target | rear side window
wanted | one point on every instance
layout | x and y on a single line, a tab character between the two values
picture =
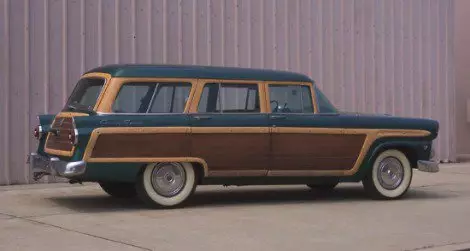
152	98
85	94
229	98
290	99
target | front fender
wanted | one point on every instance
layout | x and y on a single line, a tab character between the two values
414	148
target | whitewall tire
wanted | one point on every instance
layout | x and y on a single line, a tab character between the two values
166	184
390	176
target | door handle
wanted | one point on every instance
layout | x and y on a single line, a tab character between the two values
278	117
202	117
103	122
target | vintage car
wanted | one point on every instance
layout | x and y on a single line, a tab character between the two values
158	131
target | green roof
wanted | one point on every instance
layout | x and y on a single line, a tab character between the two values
196	71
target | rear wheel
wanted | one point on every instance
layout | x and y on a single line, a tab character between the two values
119	189
323	186
166	184
390	176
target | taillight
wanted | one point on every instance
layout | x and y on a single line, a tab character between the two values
73	137
37	133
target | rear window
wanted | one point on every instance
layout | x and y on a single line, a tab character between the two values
85	94
148	97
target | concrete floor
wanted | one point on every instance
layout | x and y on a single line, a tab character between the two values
434	216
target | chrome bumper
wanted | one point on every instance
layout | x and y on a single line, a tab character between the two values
41	165
428	166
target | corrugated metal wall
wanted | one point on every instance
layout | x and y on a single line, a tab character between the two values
367	55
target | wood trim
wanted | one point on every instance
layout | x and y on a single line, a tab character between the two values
106	77
238	173
138	130
371	136
116	83
70	114
62	152
230	129
304	173
131	130
152	160
316	109
59	152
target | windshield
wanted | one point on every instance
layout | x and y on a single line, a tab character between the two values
324	105
84	95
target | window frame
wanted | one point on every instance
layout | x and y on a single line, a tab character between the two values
203	82
117	83
308	84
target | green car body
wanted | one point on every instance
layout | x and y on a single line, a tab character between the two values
321	122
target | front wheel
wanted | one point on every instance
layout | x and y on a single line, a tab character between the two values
390	176
166	184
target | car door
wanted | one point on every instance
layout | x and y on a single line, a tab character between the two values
302	142
229	128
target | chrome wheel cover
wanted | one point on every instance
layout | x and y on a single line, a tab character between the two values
390	173
168	179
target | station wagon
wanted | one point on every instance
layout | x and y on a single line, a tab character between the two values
158	131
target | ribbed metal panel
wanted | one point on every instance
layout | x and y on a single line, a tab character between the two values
367	55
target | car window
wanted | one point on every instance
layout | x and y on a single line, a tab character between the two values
170	98
85	94
324	105
134	98
152	98
229	98
290	99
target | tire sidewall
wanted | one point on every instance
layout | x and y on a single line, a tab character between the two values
407	174
168	201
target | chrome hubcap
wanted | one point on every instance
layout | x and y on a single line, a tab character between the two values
390	173
168	179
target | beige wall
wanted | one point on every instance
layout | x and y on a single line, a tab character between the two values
374	56
462	76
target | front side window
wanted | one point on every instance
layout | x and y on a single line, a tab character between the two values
85	94
152	98
229	98
290	99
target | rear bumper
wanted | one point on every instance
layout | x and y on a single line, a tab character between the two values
41	165
428	166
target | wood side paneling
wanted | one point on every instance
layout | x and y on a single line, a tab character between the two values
238	151
292	151
142	145
60	141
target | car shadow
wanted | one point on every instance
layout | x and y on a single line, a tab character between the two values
236	197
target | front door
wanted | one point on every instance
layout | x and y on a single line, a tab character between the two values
229	130
302	143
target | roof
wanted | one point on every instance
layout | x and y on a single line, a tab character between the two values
196	71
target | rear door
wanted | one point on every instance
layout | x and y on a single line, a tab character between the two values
229	129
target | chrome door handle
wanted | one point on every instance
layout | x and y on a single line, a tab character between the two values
278	117
202	117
